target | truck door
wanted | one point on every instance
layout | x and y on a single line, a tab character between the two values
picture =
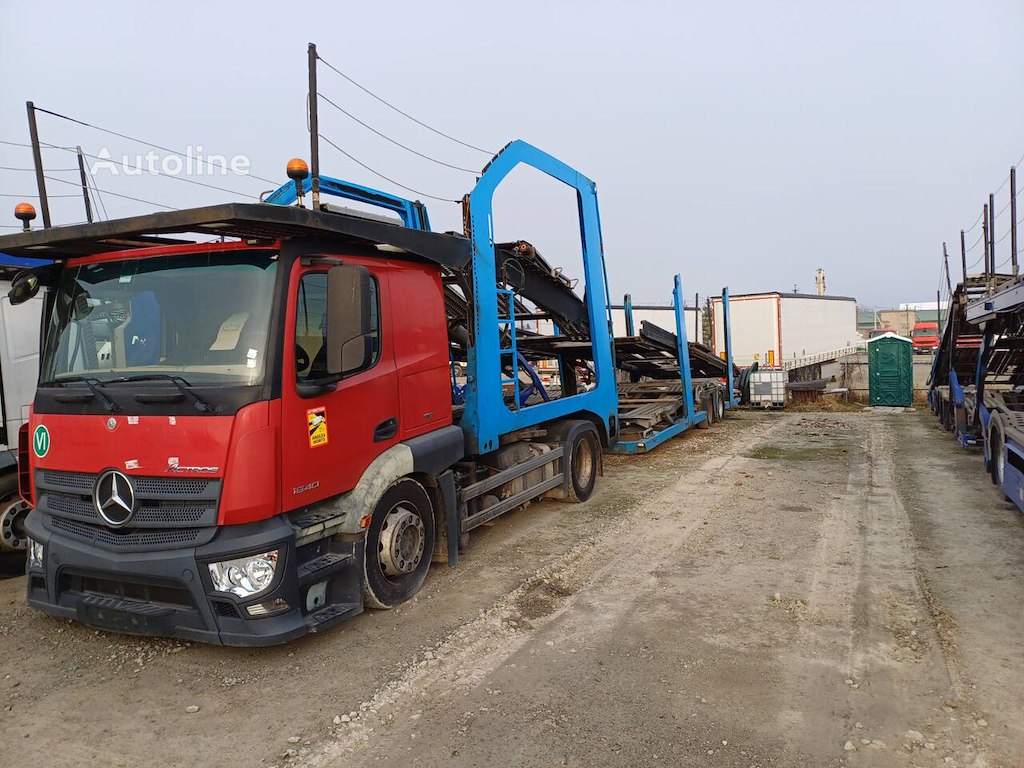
330	437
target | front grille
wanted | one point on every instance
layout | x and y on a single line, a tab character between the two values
162	502
154	487
137	540
77	482
149	515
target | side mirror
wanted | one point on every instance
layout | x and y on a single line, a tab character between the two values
24	287
349	319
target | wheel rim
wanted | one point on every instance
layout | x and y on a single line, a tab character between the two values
402	536
12	526
583	463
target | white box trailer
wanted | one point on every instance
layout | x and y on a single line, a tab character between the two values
19	366
663	317
773	328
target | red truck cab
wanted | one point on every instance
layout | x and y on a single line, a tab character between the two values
210	422
925	337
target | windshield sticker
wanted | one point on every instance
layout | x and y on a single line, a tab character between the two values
316	420
41	441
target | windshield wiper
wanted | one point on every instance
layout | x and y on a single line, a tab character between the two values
92	383
183	386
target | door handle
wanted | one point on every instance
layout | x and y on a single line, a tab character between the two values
385	430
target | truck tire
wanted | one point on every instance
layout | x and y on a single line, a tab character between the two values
583	460
997	454
706	406
719	405
399	543
13	511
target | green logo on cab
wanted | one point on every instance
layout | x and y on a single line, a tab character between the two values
41	441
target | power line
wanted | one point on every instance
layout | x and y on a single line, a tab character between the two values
130	138
977	221
386	178
32	170
34	195
115	194
393	141
401	112
168	176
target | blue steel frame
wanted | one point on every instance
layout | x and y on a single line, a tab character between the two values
732	400
691	418
987	311
412	213
486	416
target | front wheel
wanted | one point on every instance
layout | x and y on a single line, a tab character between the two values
13	511
399	543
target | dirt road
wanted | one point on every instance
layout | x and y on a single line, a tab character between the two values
785	590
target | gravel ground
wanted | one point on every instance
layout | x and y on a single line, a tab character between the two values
791	589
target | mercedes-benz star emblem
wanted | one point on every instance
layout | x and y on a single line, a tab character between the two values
114	498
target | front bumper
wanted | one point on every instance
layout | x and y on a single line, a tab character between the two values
169	593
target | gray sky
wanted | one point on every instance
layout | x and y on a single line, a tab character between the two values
741	144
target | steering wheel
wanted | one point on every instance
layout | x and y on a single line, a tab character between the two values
301	358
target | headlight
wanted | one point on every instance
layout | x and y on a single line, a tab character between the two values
35	554
245	576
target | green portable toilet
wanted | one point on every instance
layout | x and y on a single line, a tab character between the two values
890	370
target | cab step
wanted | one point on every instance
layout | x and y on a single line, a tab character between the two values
316	524
329	616
323	567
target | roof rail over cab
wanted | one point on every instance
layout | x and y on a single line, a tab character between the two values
246	221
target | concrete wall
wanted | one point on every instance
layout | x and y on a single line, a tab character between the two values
852	372
811	325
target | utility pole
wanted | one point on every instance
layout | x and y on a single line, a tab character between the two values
963	254
984	235
992	233
85	185
37	160
945	260
314	130
1013	218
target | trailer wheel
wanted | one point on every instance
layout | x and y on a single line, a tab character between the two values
13	511
708	408
719	405
997	461
399	543
584	452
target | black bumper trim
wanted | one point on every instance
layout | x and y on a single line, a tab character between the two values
71	563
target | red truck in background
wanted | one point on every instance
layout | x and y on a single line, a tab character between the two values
925	337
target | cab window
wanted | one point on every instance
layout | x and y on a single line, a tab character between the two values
311	326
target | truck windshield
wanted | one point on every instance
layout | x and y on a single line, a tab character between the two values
926	332
203	317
